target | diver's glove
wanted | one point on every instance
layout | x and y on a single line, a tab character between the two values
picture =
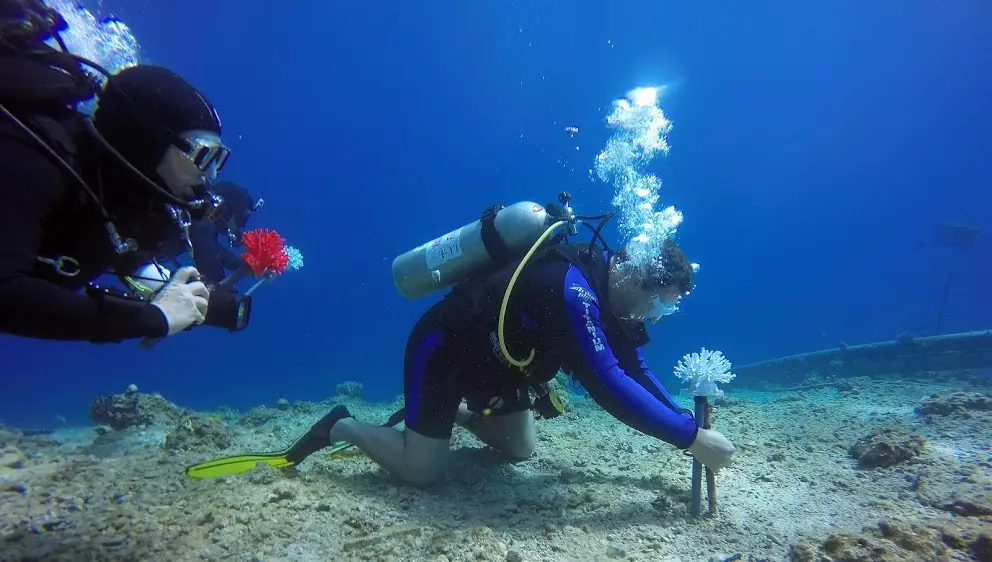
318	437
712	449
183	300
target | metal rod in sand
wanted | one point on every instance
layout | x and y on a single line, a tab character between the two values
702	414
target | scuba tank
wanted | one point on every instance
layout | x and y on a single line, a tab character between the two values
500	235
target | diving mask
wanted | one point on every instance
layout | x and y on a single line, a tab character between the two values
205	150
660	308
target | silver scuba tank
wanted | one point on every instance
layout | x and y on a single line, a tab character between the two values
501	235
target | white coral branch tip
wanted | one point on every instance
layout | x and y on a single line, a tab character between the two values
701	371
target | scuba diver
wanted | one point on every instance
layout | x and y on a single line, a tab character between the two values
211	256
86	197
483	356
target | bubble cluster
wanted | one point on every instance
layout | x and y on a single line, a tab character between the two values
107	42
640	134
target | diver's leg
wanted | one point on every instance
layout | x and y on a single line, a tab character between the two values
510	430
419	454
410	456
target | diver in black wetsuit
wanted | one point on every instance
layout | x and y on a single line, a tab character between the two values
211	256
83	198
580	310
211	239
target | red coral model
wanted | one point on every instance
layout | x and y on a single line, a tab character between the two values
265	252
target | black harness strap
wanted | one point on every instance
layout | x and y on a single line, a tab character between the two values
43	80
597	272
491	239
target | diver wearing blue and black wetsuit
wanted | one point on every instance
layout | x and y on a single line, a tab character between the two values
555	309
581	311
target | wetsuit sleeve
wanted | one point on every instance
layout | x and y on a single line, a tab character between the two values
32	307
229	259
631	395
203	237
633	363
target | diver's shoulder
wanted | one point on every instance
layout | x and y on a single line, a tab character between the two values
550	266
547	277
28	166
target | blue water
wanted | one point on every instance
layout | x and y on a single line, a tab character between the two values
815	151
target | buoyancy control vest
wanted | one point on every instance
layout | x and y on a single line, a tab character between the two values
36	77
40	89
475	304
481	262
484	294
43	81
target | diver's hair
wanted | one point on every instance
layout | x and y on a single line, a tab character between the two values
669	269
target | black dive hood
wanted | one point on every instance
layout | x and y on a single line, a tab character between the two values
36	76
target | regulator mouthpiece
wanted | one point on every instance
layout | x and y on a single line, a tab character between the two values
206	207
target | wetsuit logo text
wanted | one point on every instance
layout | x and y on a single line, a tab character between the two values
597	342
583	293
494	341
588	297
498	352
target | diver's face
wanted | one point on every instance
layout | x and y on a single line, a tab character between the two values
632	301
641	304
185	169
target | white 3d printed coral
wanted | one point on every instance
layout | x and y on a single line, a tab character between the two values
701	371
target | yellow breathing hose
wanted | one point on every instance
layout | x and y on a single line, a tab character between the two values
137	287
506	298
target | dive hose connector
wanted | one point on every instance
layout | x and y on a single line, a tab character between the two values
121	245
183	221
564	213
207	207
565	198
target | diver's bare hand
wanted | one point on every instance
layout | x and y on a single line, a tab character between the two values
712	449
183	300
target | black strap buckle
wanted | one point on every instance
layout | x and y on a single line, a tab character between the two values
63	265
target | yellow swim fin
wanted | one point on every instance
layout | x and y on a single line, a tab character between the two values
238	463
310	442
313	440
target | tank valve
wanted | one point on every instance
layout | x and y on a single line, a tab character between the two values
564	198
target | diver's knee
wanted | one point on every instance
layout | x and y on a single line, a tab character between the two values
520	448
520	451
513	434
426	459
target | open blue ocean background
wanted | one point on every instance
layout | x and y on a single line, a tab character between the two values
816	149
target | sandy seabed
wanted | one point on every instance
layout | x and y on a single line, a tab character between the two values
864	470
